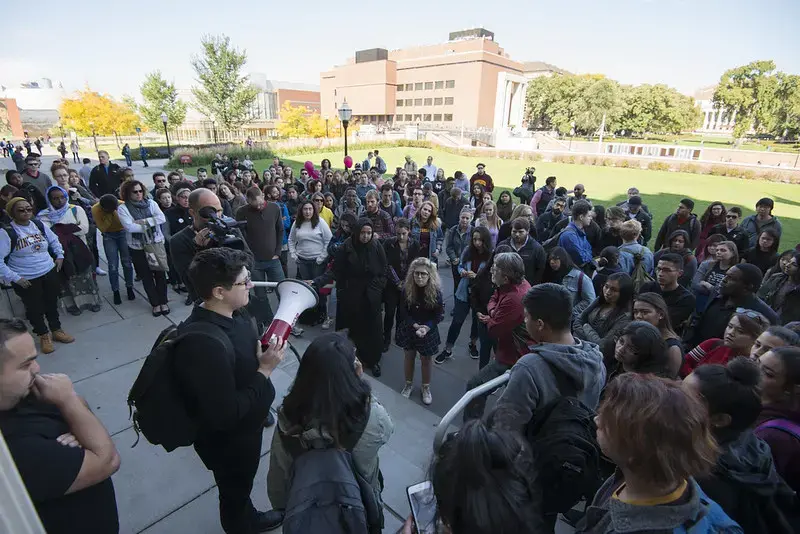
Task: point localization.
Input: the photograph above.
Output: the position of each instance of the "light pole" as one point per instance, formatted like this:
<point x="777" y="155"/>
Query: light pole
<point x="345" y="114"/>
<point x="326" y="127"/>
<point x="61" y="127"/>
<point x="139" y="133"/>
<point x="214" y="128"/>
<point x="164" y="120"/>
<point x="571" y="134"/>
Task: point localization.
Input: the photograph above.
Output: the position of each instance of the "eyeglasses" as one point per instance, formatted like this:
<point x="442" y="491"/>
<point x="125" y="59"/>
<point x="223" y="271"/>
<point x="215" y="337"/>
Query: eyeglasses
<point x="421" y="274"/>
<point x="135" y="191"/>
<point x="246" y="282"/>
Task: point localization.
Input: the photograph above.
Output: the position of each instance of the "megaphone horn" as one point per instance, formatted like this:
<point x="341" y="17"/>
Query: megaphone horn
<point x="295" y="297"/>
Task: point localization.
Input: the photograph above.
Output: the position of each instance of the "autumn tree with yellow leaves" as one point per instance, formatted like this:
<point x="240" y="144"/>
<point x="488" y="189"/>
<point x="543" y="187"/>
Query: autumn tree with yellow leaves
<point x="90" y="111"/>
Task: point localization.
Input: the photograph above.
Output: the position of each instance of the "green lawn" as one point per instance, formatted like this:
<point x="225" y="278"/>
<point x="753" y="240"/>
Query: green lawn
<point x="661" y="190"/>
<point x="706" y="142"/>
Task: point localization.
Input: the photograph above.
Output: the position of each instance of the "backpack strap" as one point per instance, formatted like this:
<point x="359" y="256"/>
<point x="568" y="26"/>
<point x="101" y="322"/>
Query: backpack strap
<point x="785" y="425"/>
<point x="14" y="237"/>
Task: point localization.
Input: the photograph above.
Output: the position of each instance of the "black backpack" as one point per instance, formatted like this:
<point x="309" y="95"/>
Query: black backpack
<point x="155" y="402"/>
<point x="326" y="494"/>
<point x="552" y="243"/>
<point x="568" y="460"/>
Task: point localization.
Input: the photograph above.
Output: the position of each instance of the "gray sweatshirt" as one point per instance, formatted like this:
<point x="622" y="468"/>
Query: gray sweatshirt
<point x="533" y="384"/>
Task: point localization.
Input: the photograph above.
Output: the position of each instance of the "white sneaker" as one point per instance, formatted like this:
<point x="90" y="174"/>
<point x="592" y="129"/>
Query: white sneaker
<point x="427" y="398"/>
<point x="326" y="324"/>
<point x="100" y="272"/>
<point x="407" y="391"/>
<point x="297" y="331"/>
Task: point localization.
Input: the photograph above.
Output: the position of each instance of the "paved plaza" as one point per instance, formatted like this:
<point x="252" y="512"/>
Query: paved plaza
<point x="161" y="493"/>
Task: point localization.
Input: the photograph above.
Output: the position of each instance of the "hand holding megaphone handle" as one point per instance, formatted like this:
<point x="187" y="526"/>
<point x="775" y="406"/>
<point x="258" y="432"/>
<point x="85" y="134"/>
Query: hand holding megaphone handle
<point x="296" y="297"/>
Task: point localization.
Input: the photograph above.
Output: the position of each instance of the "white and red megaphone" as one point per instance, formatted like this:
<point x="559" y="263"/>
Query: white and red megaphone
<point x="296" y="297"/>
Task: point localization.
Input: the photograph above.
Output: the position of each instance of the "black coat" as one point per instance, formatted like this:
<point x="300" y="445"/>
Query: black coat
<point x="392" y="250"/>
<point x="533" y="257"/>
<point x="102" y="183"/>
<point x="738" y="235"/>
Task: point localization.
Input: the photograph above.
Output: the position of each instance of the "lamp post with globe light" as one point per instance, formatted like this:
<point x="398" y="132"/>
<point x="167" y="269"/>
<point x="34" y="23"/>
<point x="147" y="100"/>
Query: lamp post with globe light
<point x="345" y="114"/>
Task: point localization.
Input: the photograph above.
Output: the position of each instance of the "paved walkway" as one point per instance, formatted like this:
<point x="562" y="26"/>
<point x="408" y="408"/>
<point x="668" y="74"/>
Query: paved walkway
<point x="160" y="493"/>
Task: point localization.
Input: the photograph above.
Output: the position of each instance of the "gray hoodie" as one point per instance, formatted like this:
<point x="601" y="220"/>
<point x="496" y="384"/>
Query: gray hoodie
<point x="533" y="384"/>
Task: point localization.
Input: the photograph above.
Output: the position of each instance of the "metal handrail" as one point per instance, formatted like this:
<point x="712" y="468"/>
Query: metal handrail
<point x="459" y="406"/>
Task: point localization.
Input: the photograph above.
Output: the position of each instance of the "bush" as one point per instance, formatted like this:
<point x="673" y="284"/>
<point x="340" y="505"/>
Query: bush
<point x="606" y="162"/>
<point x="690" y="168"/>
<point x="658" y="166"/>
<point x="202" y="155"/>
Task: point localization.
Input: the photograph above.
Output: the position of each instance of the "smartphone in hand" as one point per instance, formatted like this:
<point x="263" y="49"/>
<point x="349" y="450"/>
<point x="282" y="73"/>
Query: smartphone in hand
<point x="423" y="507"/>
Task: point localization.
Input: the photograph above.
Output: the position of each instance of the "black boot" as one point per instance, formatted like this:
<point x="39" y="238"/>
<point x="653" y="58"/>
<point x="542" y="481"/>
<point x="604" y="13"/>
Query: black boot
<point x="117" y="298"/>
<point x="131" y="294"/>
<point x="269" y="520"/>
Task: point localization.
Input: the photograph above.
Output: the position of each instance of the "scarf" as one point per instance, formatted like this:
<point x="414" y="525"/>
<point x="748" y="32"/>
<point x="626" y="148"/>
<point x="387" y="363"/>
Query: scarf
<point x="51" y="214"/>
<point x="138" y="210"/>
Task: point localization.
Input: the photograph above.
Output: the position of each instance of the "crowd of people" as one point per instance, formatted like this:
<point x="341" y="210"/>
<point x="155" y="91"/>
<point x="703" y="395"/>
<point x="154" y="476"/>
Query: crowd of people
<point x="681" y="363"/>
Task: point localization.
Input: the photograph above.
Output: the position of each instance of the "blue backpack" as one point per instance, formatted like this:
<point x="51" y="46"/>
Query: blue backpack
<point x="714" y="519"/>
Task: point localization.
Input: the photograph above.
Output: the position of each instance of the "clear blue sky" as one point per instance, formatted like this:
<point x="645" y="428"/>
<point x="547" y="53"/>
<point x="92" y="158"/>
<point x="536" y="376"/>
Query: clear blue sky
<point x="686" y="44"/>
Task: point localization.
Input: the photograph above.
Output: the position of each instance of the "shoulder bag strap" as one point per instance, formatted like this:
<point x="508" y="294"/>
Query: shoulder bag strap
<point x="791" y="428"/>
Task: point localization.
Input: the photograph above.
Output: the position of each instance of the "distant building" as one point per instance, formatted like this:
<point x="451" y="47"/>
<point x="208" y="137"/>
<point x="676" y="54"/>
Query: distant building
<point x="264" y="112"/>
<point x="534" y="69"/>
<point x="715" y="120"/>
<point x="38" y="103"/>
<point x="468" y="81"/>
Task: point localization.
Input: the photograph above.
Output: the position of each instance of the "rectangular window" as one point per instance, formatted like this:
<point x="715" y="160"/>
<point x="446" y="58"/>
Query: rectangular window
<point x="448" y="117"/>
<point x="439" y="85"/>
<point x="400" y="87"/>
<point x="417" y="117"/>
<point x="429" y="86"/>
<point x="428" y="101"/>
<point x="418" y="86"/>
<point x="450" y="84"/>
<point x="427" y="117"/>
<point x="438" y="101"/>
<point x="399" y="103"/>
<point x="409" y="102"/>
<point x="448" y="101"/>
<point x="408" y="117"/>
<point x="417" y="101"/>
<point x="409" y="87"/>
<point x="437" y="117"/>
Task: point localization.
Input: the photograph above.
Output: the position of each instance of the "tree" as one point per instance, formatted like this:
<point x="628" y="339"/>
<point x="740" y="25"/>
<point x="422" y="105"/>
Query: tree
<point x="749" y="91"/>
<point x="90" y="111"/>
<point x="294" y="121"/>
<point x="224" y="93"/>
<point x="159" y="97"/>
<point x="658" y="109"/>
<point x="788" y="113"/>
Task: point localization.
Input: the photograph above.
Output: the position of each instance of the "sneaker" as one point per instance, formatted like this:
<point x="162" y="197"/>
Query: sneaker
<point x="95" y="308"/>
<point x="473" y="351"/>
<point x="326" y="324"/>
<point x="73" y="310"/>
<point x="100" y="272"/>
<point x="443" y="356"/>
<point x="407" y="390"/>
<point x="427" y="398"/>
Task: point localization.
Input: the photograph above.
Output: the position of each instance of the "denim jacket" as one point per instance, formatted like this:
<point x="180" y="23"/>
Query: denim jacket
<point x="437" y="237"/>
<point x="462" y="291"/>
<point x="587" y="294"/>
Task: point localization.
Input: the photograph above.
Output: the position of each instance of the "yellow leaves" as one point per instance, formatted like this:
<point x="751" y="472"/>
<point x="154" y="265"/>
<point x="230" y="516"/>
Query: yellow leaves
<point x="90" y="110"/>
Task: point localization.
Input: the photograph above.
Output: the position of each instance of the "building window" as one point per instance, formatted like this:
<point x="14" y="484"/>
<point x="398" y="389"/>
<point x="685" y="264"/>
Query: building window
<point x="429" y="86"/>
<point x="439" y="85"/>
<point x="408" y="117"/>
<point x="448" y="117"/>
<point x="438" y="101"/>
<point x="409" y="87"/>
<point x="389" y="118"/>
<point x="418" y="86"/>
<point x="450" y="84"/>
<point x="400" y="87"/>
<point x="399" y="103"/>
<point x="448" y="101"/>
<point x="427" y="117"/>
<point x="417" y="101"/>
<point x="428" y="102"/>
<point x="437" y="117"/>
<point x="409" y="102"/>
<point x="417" y="117"/>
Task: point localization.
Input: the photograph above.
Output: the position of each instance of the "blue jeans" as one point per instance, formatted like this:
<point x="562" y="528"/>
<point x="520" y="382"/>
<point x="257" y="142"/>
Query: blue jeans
<point x="265" y="271"/>
<point x="116" y="247"/>
<point x="460" y="312"/>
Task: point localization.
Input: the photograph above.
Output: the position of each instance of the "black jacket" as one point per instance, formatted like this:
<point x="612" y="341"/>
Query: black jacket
<point x="646" y="220"/>
<point x="738" y="235"/>
<point x="178" y="218"/>
<point x="691" y="226"/>
<point x="533" y="257"/>
<point x="102" y="183"/>
<point x="392" y="250"/>
<point x="545" y="224"/>
<point x="789" y="306"/>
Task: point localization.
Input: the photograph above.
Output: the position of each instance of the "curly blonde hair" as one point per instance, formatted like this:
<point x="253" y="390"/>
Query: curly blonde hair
<point x="432" y="288"/>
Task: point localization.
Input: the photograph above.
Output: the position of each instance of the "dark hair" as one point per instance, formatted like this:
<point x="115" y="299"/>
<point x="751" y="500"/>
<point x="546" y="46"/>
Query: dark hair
<point x="11" y="172"/>
<point x="609" y="257"/>
<point x="109" y="203"/>
<point x="674" y="259"/>
<point x="707" y="214"/>
<point x="658" y="431"/>
<point x="254" y="192"/>
<point x="560" y="192"/>
<point x="521" y="223"/>
<point x="580" y="208"/>
<point x="268" y="189"/>
<point x="202" y="169"/>
<point x="326" y="393"/>
<point x="162" y="192"/>
<point x="790" y="358"/>
<point x="736" y="209"/>
<point x="350" y="219"/>
<point x="158" y="173"/>
<point x="549" y="180"/>
<point x="209" y="181"/>
<point x="566" y="264"/>
<point x="787" y="335"/>
<point x="486" y="237"/>
<point x="10" y="328"/>
<point x="215" y="267"/>
<point x="751" y="274"/>
<point x="552" y="303"/>
<point x="688" y="202"/>
<point x="626" y="291"/>
<point x="649" y="346"/>
<point x="731" y="389"/>
<point x="766" y="202"/>
<point x="600" y="215"/>
<point x="657" y="301"/>
<point x="402" y="222"/>
<point x="173" y="173"/>
<point x="482" y="480"/>
<point x="314" y="216"/>
<point x="86" y="160"/>
<point x="126" y="187"/>
<point x="387" y="187"/>
<point x="776" y="239"/>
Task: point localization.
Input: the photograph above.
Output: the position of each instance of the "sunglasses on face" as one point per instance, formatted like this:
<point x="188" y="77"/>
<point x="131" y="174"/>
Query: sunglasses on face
<point x="136" y="191"/>
<point x="25" y="210"/>
<point x="731" y="216"/>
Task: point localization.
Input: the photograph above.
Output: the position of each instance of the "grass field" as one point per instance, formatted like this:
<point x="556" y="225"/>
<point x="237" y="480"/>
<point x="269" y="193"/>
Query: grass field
<point x="661" y="191"/>
<point x="708" y="142"/>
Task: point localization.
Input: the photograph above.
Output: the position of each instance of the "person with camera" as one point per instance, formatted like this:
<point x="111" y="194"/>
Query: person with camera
<point x="525" y="191"/>
<point x="192" y="239"/>
<point x="224" y="377"/>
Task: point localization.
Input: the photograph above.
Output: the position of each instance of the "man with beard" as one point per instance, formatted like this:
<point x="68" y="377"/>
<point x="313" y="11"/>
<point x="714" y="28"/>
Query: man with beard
<point x="533" y="255"/>
<point x="382" y="224"/>
<point x="546" y="222"/>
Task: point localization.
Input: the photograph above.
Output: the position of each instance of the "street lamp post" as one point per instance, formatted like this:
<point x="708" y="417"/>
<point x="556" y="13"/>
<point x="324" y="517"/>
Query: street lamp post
<point x="345" y="114"/>
<point x="164" y="120"/>
<point x="139" y="133"/>
<point x="214" y="128"/>
<point x="326" y="127"/>
<point x="61" y="127"/>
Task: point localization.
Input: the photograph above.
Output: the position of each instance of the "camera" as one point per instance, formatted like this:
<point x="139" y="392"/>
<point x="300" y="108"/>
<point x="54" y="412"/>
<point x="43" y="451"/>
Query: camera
<point x="221" y="231"/>
<point x="530" y="175"/>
